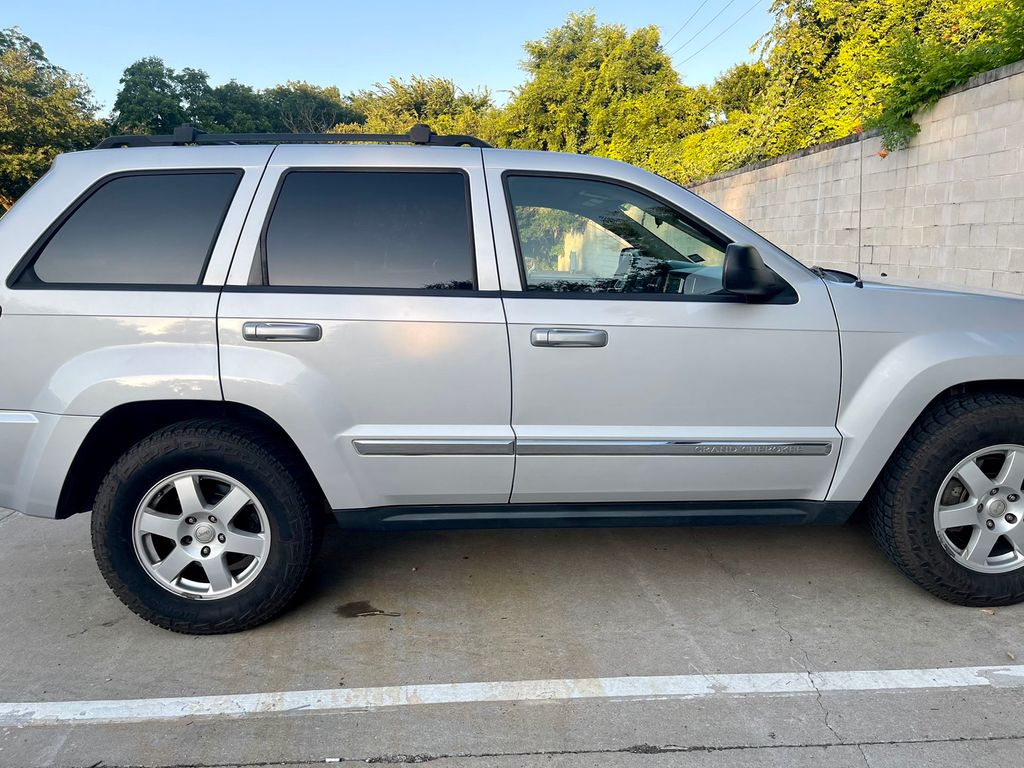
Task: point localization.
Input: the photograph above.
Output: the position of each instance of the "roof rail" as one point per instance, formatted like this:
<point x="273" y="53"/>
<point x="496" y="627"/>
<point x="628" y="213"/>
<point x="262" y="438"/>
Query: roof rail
<point x="190" y="134"/>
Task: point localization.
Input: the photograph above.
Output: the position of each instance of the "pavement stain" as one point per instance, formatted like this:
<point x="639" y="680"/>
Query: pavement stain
<point x="361" y="609"/>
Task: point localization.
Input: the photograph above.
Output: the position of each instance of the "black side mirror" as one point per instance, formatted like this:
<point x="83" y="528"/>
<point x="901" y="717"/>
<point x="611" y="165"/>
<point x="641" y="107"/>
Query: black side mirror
<point x="745" y="273"/>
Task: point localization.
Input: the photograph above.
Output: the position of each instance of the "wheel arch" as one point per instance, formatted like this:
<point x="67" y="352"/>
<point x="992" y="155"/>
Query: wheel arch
<point x="855" y="478"/>
<point x="123" y="426"/>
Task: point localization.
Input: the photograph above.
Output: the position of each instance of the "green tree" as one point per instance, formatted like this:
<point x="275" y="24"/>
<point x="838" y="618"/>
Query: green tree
<point x="395" y="106"/>
<point x="44" y="111"/>
<point x="300" y="107"/>
<point x="739" y="88"/>
<point x="150" y="99"/>
<point x="596" y="88"/>
<point x="233" y="108"/>
<point x="953" y="44"/>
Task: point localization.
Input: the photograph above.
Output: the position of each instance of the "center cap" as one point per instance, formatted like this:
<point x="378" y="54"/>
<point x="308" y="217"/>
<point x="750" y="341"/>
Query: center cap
<point x="996" y="508"/>
<point x="204" y="533"/>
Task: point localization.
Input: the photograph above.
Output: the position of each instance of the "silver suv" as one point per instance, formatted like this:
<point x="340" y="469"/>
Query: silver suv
<point x="214" y="341"/>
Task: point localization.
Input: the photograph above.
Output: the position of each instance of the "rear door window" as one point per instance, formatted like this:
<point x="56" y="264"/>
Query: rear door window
<point x="371" y="229"/>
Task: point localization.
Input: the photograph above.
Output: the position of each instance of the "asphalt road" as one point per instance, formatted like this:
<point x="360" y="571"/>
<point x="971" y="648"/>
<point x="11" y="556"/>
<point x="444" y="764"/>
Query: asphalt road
<point x="522" y="605"/>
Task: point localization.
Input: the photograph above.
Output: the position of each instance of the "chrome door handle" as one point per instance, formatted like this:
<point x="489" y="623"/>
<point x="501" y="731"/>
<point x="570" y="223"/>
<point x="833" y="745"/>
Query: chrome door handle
<point x="281" y="332"/>
<point x="568" y="337"/>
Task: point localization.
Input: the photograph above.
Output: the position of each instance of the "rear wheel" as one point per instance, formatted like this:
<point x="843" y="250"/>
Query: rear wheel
<point x="201" y="528"/>
<point x="948" y="510"/>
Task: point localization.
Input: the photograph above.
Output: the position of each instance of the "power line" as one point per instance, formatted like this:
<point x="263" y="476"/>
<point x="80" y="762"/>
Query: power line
<point x="709" y="42"/>
<point x="695" y="34"/>
<point x="684" y="24"/>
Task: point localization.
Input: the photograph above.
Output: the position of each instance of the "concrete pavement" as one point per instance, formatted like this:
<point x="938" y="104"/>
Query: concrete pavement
<point x="492" y="606"/>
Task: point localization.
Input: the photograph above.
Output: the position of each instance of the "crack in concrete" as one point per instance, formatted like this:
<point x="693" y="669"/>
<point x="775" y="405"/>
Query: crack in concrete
<point x="777" y="620"/>
<point x="636" y="749"/>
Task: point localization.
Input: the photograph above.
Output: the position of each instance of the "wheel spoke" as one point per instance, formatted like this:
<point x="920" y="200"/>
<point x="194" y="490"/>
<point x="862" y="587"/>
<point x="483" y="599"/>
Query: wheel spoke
<point x="159" y="524"/>
<point x="188" y="495"/>
<point x="231" y="504"/>
<point x="980" y="546"/>
<point x="244" y="543"/>
<point x="1016" y="537"/>
<point x="974" y="479"/>
<point x="172" y="565"/>
<point x="1012" y="472"/>
<point x="218" y="574"/>
<point x="958" y="515"/>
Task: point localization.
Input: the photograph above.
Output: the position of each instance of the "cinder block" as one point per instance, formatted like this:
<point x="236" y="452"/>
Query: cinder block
<point x="1007" y="161"/>
<point x="983" y="234"/>
<point x="1012" y="185"/>
<point x="1012" y="282"/>
<point x="965" y="123"/>
<point x="937" y="192"/>
<point x="1016" y="260"/>
<point x="959" y="234"/>
<point x="971" y="213"/>
<point x="933" y="235"/>
<point x="988" y="189"/>
<point x="923" y="216"/>
<point x="1010" y="235"/>
<point x="880" y="254"/>
<point x="999" y="212"/>
<point x="974" y="167"/>
<point x="1006" y="113"/>
<point x="954" y="276"/>
<point x="966" y="145"/>
<point x="936" y="130"/>
<point x="962" y="191"/>
<point x="979" y="278"/>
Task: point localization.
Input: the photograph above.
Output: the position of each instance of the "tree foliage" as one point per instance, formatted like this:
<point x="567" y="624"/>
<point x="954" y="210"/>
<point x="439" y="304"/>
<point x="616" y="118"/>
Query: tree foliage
<point x="394" y="106"/>
<point x="825" y="69"/>
<point x="44" y="111"/>
<point x="154" y="99"/>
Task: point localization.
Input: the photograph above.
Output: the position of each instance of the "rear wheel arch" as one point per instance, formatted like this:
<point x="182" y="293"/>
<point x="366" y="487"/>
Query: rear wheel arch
<point x="122" y="427"/>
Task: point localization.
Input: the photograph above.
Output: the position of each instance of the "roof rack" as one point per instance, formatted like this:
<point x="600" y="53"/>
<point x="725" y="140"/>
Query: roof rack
<point x="190" y="134"/>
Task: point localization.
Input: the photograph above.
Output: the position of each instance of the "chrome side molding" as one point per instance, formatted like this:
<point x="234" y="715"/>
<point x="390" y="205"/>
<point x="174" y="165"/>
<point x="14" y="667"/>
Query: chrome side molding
<point x="555" y="447"/>
<point x="454" y="447"/>
<point x="558" y="447"/>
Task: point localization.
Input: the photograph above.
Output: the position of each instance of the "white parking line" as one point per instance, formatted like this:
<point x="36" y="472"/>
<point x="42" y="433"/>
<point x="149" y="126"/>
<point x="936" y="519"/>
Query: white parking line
<point x="618" y="688"/>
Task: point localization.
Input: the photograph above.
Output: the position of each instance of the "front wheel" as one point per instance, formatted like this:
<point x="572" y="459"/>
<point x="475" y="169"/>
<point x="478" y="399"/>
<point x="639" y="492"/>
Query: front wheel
<point x="200" y="528"/>
<point x="949" y="508"/>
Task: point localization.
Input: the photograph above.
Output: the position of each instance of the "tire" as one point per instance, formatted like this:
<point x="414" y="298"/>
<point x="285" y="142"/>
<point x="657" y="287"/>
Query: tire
<point x="923" y="477"/>
<point x="278" y="522"/>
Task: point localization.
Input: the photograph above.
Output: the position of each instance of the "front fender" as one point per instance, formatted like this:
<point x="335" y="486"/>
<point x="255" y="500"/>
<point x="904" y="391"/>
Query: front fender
<point x="892" y="373"/>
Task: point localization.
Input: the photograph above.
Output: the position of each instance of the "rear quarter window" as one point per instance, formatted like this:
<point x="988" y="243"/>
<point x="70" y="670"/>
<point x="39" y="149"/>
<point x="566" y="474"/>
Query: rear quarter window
<point x="138" y="229"/>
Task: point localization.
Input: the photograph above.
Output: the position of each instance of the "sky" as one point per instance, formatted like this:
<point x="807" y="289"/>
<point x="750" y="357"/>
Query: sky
<point x="355" y="44"/>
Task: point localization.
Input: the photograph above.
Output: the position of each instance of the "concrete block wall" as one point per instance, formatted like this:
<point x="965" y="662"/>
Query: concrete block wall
<point x="948" y="208"/>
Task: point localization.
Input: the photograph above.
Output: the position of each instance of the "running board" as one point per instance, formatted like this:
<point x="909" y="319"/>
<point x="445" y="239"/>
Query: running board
<point x="689" y="513"/>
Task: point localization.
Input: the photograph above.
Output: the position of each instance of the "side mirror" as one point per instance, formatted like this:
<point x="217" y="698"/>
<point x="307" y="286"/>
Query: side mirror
<point x="745" y="273"/>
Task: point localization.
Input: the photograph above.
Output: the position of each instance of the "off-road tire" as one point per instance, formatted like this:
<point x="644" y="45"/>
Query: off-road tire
<point x="278" y="481"/>
<point x="901" y="505"/>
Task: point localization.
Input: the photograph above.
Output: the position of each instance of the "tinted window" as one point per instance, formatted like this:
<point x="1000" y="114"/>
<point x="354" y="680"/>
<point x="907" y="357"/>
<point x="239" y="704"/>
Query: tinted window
<point x="366" y="229"/>
<point x="586" y="236"/>
<point x="155" y="229"/>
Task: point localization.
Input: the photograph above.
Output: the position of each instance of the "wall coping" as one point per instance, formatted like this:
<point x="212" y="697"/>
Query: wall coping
<point x="983" y="78"/>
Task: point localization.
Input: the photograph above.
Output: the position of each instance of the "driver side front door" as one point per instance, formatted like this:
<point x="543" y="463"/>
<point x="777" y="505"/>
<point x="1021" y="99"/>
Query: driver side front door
<point x="636" y="378"/>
